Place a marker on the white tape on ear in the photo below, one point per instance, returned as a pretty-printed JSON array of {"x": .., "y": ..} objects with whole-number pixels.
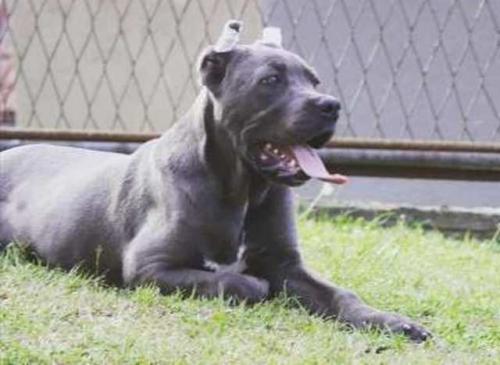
[
  {"x": 272, "y": 35},
  {"x": 230, "y": 36}
]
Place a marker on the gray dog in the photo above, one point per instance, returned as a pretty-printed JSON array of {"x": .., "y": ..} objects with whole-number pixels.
[{"x": 206, "y": 207}]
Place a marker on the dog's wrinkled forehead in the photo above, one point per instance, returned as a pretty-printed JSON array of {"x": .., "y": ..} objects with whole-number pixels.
[
  {"x": 229, "y": 69},
  {"x": 266, "y": 52},
  {"x": 259, "y": 59}
]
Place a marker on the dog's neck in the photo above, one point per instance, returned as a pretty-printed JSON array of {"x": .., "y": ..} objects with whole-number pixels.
[{"x": 220, "y": 152}]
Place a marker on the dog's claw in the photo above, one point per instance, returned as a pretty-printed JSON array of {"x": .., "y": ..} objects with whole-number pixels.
[
  {"x": 396, "y": 324},
  {"x": 413, "y": 331}
]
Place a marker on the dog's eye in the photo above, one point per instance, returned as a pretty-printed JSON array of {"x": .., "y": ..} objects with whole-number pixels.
[{"x": 270, "y": 80}]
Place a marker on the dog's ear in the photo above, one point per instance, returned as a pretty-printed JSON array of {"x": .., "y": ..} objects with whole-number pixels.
[
  {"x": 214, "y": 60},
  {"x": 212, "y": 68}
]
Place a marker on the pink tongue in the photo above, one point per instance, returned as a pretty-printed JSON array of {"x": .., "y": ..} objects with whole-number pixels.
[{"x": 311, "y": 164}]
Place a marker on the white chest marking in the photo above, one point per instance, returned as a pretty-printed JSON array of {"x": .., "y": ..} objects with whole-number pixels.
[{"x": 236, "y": 267}]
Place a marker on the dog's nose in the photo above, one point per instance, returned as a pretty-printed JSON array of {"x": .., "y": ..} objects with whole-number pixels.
[{"x": 328, "y": 106}]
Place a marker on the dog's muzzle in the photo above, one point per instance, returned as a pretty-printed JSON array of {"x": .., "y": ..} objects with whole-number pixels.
[{"x": 292, "y": 164}]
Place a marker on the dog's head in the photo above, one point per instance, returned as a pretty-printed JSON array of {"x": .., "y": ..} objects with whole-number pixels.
[{"x": 266, "y": 100}]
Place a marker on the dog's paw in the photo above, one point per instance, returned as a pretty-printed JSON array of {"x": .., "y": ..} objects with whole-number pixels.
[
  {"x": 413, "y": 331},
  {"x": 394, "y": 323},
  {"x": 241, "y": 288}
]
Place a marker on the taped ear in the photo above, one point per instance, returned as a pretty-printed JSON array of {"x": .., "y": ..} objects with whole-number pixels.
[
  {"x": 230, "y": 36},
  {"x": 214, "y": 61},
  {"x": 272, "y": 36}
]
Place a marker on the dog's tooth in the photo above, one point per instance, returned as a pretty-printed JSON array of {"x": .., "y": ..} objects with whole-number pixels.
[
  {"x": 276, "y": 151},
  {"x": 263, "y": 156},
  {"x": 268, "y": 146}
]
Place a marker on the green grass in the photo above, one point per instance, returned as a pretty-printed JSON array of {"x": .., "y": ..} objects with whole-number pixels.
[{"x": 451, "y": 286}]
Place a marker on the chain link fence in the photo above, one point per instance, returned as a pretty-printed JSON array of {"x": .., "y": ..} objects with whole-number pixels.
[{"x": 416, "y": 70}]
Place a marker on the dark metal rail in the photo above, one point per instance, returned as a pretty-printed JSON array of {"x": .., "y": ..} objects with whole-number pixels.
[
  {"x": 337, "y": 143},
  {"x": 380, "y": 158},
  {"x": 415, "y": 145},
  {"x": 414, "y": 164},
  {"x": 74, "y": 135}
]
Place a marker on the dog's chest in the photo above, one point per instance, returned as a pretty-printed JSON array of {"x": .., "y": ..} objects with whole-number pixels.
[
  {"x": 236, "y": 266},
  {"x": 223, "y": 240}
]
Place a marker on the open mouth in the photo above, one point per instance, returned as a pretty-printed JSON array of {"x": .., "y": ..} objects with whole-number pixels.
[{"x": 294, "y": 164}]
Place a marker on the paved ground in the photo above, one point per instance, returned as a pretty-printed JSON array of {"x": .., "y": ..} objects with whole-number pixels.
[{"x": 412, "y": 192}]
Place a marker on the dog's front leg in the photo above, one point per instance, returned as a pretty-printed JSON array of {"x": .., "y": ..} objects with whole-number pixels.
[
  {"x": 273, "y": 254},
  {"x": 330, "y": 301},
  {"x": 150, "y": 260},
  {"x": 206, "y": 284}
]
